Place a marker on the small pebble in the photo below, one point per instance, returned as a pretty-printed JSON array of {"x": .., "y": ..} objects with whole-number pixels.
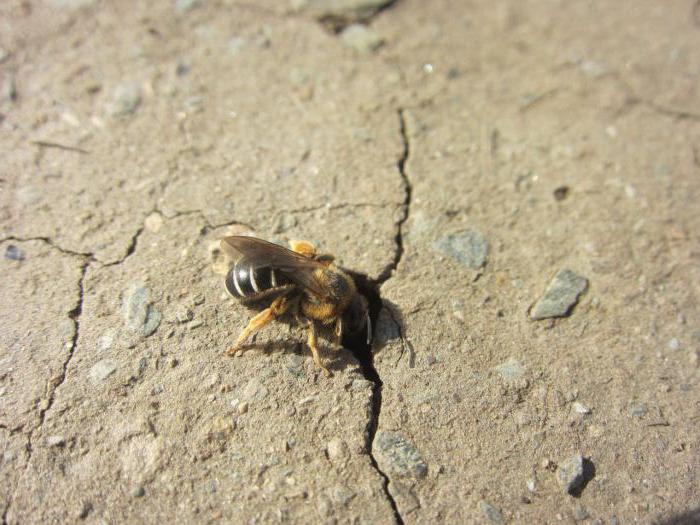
[
  {"x": 468, "y": 247},
  {"x": 398, "y": 455},
  {"x": 254, "y": 390},
  {"x": 105, "y": 341},
  {"x": 674, "y": 344},
  {"x": 581, "y": 408},
  {"x": 154, "y": 222},
  {"x": 511, "y": 370},
  {"x": 183, "y": 6},
  {"x": 126, "y": 98},
  {"x": 337, "y": 450},
  {"x": 531, "y": 485},
  {"x": 561, "y": 193},
  {"x": 638, "y": 410},
  {"x": 138, "y": 491},
  {"x": 242, "y": 407},
  {"x": 55, "y": 441},
  {"x": 361, "y": 38},
  {"x": 570, "y": 474},
  {"x": 102, "y": 370},
  {"x": 14, "y": 253},
  {"x": 561, "y": 295},
  {"x": 195, "y": 324},
  {"x": 139, "y": 315},
  {"x": 491, "y": 512},
  {"x": 580, "y": 513}
]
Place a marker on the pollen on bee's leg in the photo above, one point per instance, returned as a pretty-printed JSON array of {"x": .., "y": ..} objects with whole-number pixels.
[{"x": 303, "y": 247}]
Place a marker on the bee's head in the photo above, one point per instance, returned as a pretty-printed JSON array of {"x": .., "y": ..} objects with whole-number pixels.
[{"x": 356, "y": 320}]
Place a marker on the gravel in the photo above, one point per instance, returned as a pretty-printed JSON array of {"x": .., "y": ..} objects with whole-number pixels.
[{"x": 561, "y": 295}]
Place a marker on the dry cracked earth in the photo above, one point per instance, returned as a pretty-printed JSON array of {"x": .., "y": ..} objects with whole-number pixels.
[{"x": 515, "y": 183}]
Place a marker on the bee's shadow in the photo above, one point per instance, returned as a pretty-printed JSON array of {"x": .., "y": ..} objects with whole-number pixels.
[{"x": 335, "y": 359}]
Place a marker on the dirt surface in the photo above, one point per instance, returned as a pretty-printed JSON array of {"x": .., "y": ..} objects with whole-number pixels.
[{"x": 519, "y": 180}]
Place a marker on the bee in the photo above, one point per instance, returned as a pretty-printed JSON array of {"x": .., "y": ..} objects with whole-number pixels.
[{"x": 301, "y": 281}]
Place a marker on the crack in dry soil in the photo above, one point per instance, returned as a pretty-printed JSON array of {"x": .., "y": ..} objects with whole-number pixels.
[
  {"x": 361, "y": 349},
  {"x": 405, "y": 206},
  {"x": 54, "y": 383}
]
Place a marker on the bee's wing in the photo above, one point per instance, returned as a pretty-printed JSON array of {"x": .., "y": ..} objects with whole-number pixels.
[{"x": 297, "y": 267}]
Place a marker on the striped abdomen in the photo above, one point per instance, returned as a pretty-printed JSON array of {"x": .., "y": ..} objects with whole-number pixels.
[{"x": 250, "y": 283}]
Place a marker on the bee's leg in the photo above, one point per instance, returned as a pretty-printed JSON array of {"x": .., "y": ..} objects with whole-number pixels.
[
  {"x": 277, "y": 308},
  {"x": 303, "y": 247},
  {"x": 339, "y": 333},
  {"x": 314, "y": 348}
]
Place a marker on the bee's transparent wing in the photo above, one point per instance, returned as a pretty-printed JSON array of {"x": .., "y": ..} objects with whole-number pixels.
[{"x": 299, "y": 268}]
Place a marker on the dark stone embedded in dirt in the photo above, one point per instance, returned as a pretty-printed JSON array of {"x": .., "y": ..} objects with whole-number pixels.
[
  {"x": 561, "y": 193},
  {"x": 138, "y": 313},
  {"x": 14, "y": 253},
  {"x": 469, "y": 247},
  {"x": 397, "y": 455},
  {"x": 560, "y": 296}
]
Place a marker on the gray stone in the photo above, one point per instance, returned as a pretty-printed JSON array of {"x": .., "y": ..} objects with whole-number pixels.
[
  {"x": 511, "y": 370},
  {"x": 14, "y": 253},
  {"x": 638, "y": 410},
  {"x": 491, "y": 512},
  {"x": 126, "y": 98},
  {"x": 560, "y": 296},
  {"x": 139, "y": 315},
  {"x": 397, "y": 455},
  {"x": 361, "y": 38},
  {"x": 102, "y": 370},
  {"x": 570, "y": 473},
  {"x": 468, "y": 247}
]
